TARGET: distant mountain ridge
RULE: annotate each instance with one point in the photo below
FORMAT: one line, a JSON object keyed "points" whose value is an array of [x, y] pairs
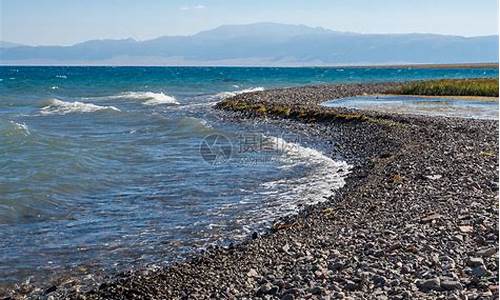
{"points": [[263, 44], [5, 44]]}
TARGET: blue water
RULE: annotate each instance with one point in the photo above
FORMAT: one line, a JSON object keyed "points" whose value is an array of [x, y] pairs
{"points": [[101, 169], [432, 106]]}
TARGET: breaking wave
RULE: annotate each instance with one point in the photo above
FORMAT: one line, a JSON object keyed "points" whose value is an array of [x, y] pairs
{"points": [[224, 95], [149, 98], [12, 128], [59, 107]]}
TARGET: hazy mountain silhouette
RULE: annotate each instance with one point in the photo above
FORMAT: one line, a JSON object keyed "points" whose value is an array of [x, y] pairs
{"points": [[4, 44], [264, 44]]}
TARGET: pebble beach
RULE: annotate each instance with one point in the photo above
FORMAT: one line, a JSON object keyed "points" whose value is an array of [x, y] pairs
{"points": [[416, 219]]}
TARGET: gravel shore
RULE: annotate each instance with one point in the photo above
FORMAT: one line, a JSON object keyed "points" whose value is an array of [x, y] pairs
{"points": [[417, 218]]}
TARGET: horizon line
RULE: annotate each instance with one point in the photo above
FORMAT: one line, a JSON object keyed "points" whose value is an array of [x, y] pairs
{"points": [[465, 65]]}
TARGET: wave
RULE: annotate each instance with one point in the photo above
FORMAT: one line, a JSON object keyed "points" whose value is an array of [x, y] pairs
{"points": [[59, 107], [12, 128], [324, 176], [224, 95], [149, 98], [307, 177]]}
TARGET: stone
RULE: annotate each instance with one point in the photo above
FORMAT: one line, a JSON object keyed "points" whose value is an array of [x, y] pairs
{"points": [[252, 273], [429, 284], [267, 288], [350, 285], [379, 280], [479, 271], [288, 297], [50, 290], [486, 252], [316, 290], [431, 218], [475, 261], [466, 228], [450, 285]]}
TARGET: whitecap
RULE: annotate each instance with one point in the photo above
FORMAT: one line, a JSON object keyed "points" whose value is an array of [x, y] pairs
{"points": [[55, 87], [59, 107], [326, 175], [149, 98], [21, 127], [224, 95], [62, 76]]}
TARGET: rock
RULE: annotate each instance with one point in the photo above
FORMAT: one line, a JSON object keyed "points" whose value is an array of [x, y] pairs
{"points": [[479, 271], [350, 285], [450, 285], [293, 291], [486, 252], [429, 284], [336, 266], [50, 290], [466, 228], [288, 297], [487, 295], [267, 289], [430, 218], [316, 290], [475, 261], [252, 273], [379, 280]]}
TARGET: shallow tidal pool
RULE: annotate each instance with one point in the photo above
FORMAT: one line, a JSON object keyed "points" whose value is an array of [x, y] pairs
{"points": [[477, 108]]}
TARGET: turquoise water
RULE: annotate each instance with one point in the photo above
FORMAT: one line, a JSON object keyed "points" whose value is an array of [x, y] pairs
{"points": [[100, 167]]}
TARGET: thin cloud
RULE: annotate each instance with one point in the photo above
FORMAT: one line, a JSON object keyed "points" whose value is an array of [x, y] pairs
{"points": [[192, 7]]}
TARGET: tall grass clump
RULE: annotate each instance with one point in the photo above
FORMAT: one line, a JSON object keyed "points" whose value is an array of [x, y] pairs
{"points": [[487, 87]]}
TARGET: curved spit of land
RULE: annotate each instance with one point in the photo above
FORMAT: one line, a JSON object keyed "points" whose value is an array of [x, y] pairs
{"points": [[418, 217]]}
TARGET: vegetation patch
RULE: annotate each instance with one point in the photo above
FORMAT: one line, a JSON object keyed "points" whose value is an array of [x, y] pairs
{"points": [[484, 87], [303, 113]]}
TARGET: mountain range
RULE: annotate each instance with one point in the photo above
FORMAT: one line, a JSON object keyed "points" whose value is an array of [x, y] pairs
{"points": [[263, 44]]}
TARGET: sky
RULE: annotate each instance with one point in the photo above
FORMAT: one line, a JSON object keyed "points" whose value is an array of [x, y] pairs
{"points": [[66, 22]]}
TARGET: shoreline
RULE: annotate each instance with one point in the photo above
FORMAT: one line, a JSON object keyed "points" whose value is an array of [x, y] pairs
{"points": [[381, 234]]}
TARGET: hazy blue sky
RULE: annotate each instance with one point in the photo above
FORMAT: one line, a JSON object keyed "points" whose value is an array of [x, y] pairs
{"points": [[69, 21]]}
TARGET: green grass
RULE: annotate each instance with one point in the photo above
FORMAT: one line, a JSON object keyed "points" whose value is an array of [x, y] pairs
{"points": [[450, 87], [303, 113]]}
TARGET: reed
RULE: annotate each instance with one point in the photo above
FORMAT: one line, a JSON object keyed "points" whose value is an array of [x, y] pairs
{"points": [[451, 87]]}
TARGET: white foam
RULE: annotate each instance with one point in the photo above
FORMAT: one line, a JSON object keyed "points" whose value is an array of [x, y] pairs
{"points": [[224, 95], [149, 98], [328, 173], [59, 107], [324, 175], [22, 127]]}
